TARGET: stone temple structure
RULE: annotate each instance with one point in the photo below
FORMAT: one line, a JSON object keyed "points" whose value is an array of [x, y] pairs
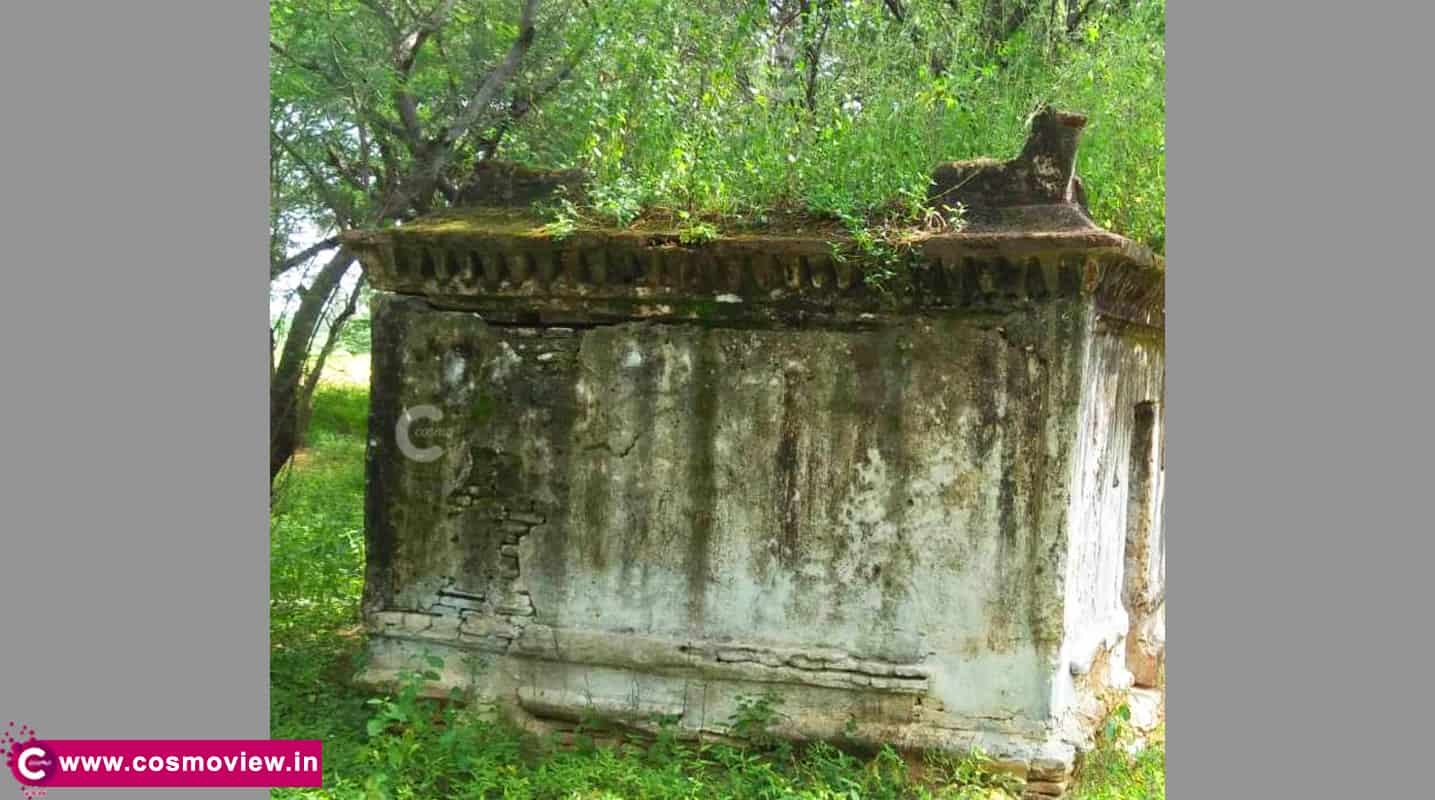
{"points": [[612, 474]]}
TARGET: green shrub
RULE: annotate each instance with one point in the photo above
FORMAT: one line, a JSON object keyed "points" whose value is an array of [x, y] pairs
{"points": [[339, 410], [1111, 771], [693, 119]]}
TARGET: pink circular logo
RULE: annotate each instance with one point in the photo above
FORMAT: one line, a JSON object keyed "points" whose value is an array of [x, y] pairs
{"points": [[33, 763]]}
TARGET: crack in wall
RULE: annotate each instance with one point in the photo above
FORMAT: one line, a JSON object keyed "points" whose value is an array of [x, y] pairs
{"points": [[607, 446], [484, 620]]}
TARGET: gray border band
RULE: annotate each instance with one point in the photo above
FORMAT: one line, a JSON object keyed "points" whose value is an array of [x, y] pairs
{"points": [[134, 564]]}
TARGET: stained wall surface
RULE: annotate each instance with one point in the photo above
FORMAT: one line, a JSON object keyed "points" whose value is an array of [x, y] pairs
{"points": [[654, 518]]}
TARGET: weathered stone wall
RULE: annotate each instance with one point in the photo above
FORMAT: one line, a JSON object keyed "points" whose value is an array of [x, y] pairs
{"points": [[652, 518], [1116, 561], [615, 475], [892, 489]]}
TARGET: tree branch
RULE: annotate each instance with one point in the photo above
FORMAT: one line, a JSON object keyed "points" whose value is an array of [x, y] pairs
{"points": [[522, 103], [290, 262], [311, 380], [406, 47], [287, 382], [410, 45], [312, 66], [500, 75], [420, 184], [340, 207], [812, 50], [1076, 15], [349, 173]]}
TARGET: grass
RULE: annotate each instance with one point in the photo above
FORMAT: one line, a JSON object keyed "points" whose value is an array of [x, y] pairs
{"points": [[1112, 774], [406, 748]]}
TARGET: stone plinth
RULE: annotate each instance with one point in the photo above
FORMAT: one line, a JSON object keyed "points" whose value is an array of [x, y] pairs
{"points": [[616, 475]]}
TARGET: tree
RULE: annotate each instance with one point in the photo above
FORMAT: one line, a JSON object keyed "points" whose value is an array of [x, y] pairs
{"points": [[379, 108]]}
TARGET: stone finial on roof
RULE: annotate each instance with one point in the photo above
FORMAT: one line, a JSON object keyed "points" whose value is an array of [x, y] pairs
{"points": [[1036, 190], [507, 184]]}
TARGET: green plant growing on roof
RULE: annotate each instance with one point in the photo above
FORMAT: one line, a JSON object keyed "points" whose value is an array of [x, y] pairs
{"points": [[697, 233], [565, 220]]}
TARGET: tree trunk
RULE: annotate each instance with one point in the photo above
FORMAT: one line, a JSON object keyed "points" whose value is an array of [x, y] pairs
{"points": [[311, 381], [813, 33], [286, 400]]}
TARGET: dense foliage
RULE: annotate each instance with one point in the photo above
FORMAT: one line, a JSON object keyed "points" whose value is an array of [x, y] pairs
{"points": [[403, 747], [719, 113], [710, 107]]}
